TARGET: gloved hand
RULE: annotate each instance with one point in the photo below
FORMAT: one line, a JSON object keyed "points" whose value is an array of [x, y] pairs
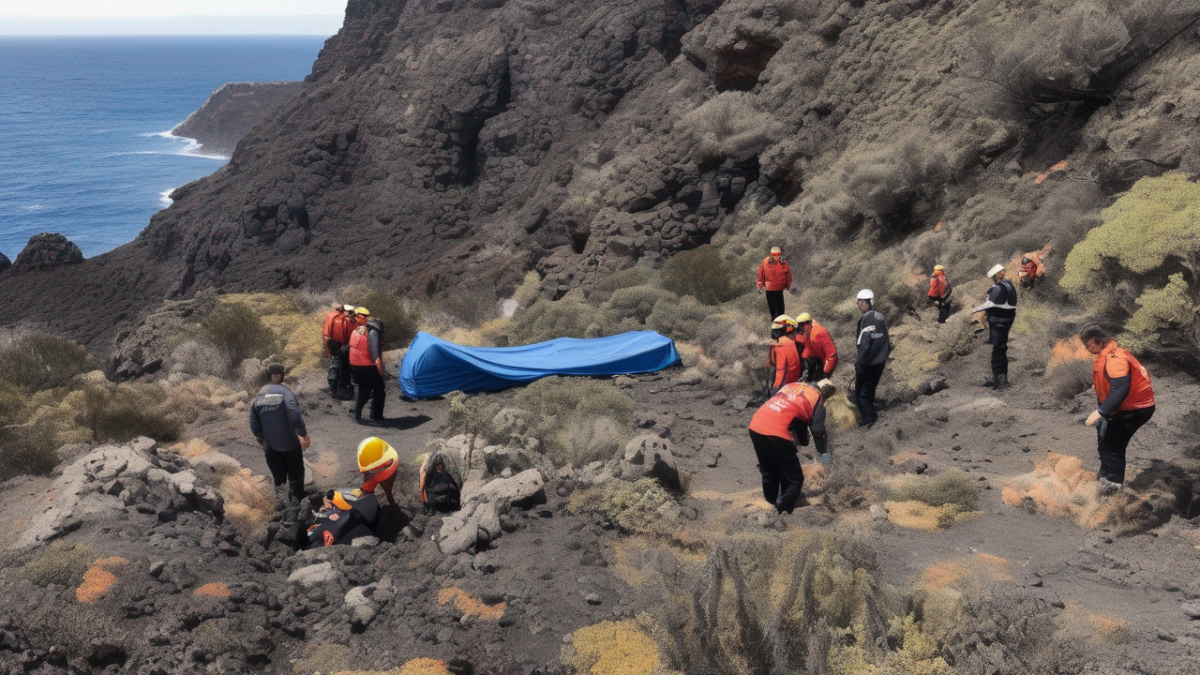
{"points": [[305, 442], [1093, 418]]}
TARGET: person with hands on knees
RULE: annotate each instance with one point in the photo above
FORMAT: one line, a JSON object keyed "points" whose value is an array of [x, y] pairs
{"points": [[1126, 400], [377, 462], [778, 425], [820, 357], [278, 426]]}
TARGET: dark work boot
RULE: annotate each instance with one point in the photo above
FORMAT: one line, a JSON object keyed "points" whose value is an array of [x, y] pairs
{"points": [[1002, 381]]}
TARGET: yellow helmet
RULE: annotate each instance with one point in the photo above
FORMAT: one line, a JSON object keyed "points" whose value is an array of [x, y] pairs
{"points": [[363, 311], [373, 453], [339, 500], [804, 318], [939, 268], [783, 322]]}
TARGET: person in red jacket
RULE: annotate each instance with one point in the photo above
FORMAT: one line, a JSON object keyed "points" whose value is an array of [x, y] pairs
{"points": [[366, 361], [939, 293], [782, 421], [820, 357], [774, 277], [1032, 270], [1126, 400], [335, 334], [784, 358]]}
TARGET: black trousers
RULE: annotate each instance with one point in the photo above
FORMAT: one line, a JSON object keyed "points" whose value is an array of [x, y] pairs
{"points": [[866, 380], [998, 338], [812, 369], [287, 467], [370, 386], [774, 303], [943, 307], [782, 477], [1112, 437], [341, 354]]}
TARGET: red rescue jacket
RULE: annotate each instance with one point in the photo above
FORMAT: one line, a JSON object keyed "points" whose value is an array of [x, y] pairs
{"points": [[785, 359], [794, 402], [330, 328], [774, 276], [818, 345], [378, 476], [360, 348], [1117, 362], [937, 285]]}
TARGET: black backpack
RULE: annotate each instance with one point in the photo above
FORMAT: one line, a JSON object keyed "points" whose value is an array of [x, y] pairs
{"points": [[439, 490]]}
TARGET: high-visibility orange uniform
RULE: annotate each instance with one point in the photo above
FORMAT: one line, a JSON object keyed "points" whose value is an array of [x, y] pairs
{"points": [[331, 328], [937, 285], [360, 348], [1115, 362], [774, 275], [818, 345], [795, 402], [379, 476], [785, 359]]}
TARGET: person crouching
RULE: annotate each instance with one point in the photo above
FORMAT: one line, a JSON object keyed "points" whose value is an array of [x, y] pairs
{"points": [[788, 415]]}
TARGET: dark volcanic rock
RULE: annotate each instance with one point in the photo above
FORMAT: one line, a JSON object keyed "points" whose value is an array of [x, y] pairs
{"points": [[232, 111], [47, 251], [5, 263]]}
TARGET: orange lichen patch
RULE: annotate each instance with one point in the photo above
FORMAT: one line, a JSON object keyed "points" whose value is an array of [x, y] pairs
{"points": [[902, 457], [469, 605], [916, 515], [1060, 486], [941, 576], [98, 579], [998, 566], [1066, 351], [1043, 176], [939, 226], [421, 666], [1108, 629], [216, 589], [613, 648], [191, 448]]}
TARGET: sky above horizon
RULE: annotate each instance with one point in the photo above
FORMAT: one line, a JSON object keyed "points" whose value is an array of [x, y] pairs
{"points": [[171, 17]]}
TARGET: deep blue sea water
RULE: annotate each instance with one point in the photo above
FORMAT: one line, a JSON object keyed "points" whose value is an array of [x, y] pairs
{"points": [[84, 148]]}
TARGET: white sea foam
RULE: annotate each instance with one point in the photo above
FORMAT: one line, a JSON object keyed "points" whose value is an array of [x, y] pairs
{"points": [[164, 198], [33, 208], [190, 147]]}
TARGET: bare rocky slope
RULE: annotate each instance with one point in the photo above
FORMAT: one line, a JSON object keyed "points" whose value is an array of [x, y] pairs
{"points": [[232, 111], [450, 144]]}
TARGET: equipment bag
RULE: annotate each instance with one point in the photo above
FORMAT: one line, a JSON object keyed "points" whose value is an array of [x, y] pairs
{"points": [[440, 490]]}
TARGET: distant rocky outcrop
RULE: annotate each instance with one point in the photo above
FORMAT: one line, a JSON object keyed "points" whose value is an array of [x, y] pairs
{"points": [[46, 251], [5, 263], [232, 111]]}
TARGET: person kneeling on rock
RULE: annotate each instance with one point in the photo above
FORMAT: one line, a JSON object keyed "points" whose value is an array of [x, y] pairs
{"points": [[781, 423], [377, 462]]}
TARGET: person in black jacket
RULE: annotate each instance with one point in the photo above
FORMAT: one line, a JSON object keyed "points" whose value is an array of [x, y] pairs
{"points": [[278, 426], [873, 349], [1001, 309]]}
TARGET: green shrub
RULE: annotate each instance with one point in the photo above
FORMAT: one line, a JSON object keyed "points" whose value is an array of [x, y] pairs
{"points": [[471, 415], [638, 275], [703, 274], [578, 420], [63, 563], [85, 634], [324, 657], [546, 320], [950, 487], [37, 362], [12, 403], [636, 302], [29, 449], [400, 325], [123, 412], [217, 636], [678, 319], [729, 125], [1071, 379], [1149, 237], [639, 507], [239, 332]]}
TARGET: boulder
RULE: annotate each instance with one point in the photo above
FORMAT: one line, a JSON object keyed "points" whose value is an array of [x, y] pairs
{"points": [[313, 575], [932, 385], [650, 456], [478, 522], [46, 251]]}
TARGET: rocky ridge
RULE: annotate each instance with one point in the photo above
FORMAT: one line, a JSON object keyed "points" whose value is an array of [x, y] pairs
{"points": [[232, 111]]}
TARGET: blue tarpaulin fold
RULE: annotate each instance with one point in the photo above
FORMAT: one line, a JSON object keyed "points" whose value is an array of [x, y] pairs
{"points": [[434, 367]]}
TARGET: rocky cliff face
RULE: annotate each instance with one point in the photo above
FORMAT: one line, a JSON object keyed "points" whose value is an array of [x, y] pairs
{"points": [[232, 111], [443, 143]]}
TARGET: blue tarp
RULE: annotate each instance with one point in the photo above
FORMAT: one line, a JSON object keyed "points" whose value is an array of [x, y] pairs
{"points": [[433, 367]]}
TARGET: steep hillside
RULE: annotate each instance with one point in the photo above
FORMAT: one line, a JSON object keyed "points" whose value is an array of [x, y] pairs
{"points": [[461, 143]]}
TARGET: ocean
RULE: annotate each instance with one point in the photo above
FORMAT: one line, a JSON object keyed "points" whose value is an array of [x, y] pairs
{"points": [[85, 143]]}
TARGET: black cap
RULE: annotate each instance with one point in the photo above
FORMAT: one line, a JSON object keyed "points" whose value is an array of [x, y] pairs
{"points": [[275, 369]]}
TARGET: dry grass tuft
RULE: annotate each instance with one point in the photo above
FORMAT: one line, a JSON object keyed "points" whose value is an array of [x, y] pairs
{"points": [[942, 576], [64, 563], [641, 507], [191, 448], [419, 666], [470, 606], [324, 657], [216, 589], [98, 579], [249, 502], [1059, 486], [930, 503], [916, 515], [612, 648]]}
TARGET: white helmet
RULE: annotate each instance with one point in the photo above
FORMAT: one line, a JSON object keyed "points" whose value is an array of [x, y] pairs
{"points": [[866, 294], [995, 270]]}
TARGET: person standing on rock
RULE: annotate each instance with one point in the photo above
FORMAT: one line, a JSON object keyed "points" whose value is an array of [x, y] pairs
{"points": [[874, 345], [1001, 309], [939, 293], [366, 362], [775, 429], [820, 356], [278, 426], [1126, 400], [784, 359], [774, 277]]}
